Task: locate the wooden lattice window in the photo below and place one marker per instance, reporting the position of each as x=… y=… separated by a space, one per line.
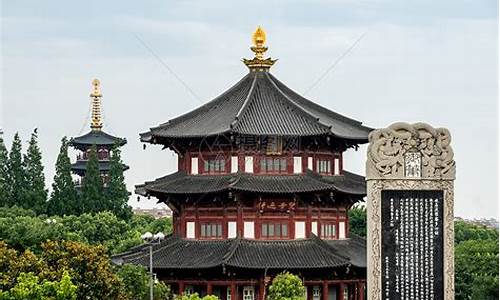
x=274 y=230
x=270 y=164
x=211 y=230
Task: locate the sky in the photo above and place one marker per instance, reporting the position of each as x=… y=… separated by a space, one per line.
x=430 y=61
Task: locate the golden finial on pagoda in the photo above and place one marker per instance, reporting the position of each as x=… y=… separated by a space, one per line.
x=258 y=63
x=96 y=122
x=97 y=88
x=259 y=37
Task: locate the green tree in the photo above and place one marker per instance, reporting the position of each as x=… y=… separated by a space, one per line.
x=135 y=280
x=136 y=283
x=17 y=176
x=64 y=197
x=15 y=211
x=286 y=286
x=4 y=173
x=476 y=264
x=13 y=264
x=27 y=232
x=357 y=220
x=30 y=287
x=89 y=266
x=116 y=191
x=36 y=194
x=92 y=189
x=465 y=231
x=195 y=296
x=22 y=229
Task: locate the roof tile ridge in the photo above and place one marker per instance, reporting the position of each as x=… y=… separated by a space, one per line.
x=245 y=103
x=172 y=237
x=325 y=109
x=232 y=249
x=203 y=106
x=330 y=250
x=309 y=114
x=319 y=178
x=175 y=175
x=357 y=239
x=234 y=179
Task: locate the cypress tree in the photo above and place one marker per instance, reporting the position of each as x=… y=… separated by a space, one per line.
x=4 y=173
x=36 y=194
x=116 y=191
x=64 y=198
x=16 y=179
x=92 y=188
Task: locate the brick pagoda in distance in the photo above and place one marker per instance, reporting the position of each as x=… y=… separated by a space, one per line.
x=260 y=188
x=103 y=141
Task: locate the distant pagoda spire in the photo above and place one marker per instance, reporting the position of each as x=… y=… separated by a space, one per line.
x=259 y=63
x=96 y=122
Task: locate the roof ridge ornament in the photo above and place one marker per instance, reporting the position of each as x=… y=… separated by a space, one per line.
x=96 y=122
x=259 y=63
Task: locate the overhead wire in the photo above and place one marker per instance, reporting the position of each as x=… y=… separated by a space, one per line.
x=333 y=65
x=169 y=69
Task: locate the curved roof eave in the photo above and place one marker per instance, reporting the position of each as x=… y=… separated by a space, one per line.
x=259 y=104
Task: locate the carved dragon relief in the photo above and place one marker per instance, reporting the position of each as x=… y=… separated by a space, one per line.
x=390 y=147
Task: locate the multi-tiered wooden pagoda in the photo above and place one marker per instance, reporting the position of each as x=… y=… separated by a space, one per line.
x=260 y=188
x=103 y=141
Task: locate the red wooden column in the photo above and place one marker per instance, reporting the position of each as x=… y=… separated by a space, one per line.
x=308 y=221
x=209 y=288
x=361 y=290
x=325 y=290
x=341 y=291
x=181 y=287
x=239 y=221
x=234 y=294
x=262 y=290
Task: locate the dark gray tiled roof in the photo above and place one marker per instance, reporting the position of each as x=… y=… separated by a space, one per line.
x=96 y=137
x=259 y=104
x=81 y=165
x=182 y=183
x=293 y=254
x=354 y=248
x=177 y=253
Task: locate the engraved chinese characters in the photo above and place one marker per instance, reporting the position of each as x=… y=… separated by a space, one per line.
x=410 y=172
x=413 y=164
x=412 y=244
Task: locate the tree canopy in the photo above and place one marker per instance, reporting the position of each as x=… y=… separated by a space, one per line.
x=64 y=197
x=16 y=179
x=286 y=286
x=92 y=199
x=22 y=230
x=35 y=192
x=5 y=192
x=357 y=220
x=116 y=191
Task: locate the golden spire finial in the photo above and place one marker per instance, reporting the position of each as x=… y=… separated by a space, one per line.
x=96 y=122
x=97 y=88
x=258 y=63
x=259 y=37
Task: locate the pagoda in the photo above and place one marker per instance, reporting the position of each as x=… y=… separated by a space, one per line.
x=260 y=188
x=103 y=141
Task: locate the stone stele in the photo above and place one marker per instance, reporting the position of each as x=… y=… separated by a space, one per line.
x=408 y=157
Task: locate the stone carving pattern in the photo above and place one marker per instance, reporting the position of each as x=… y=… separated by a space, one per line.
x=388 y=146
